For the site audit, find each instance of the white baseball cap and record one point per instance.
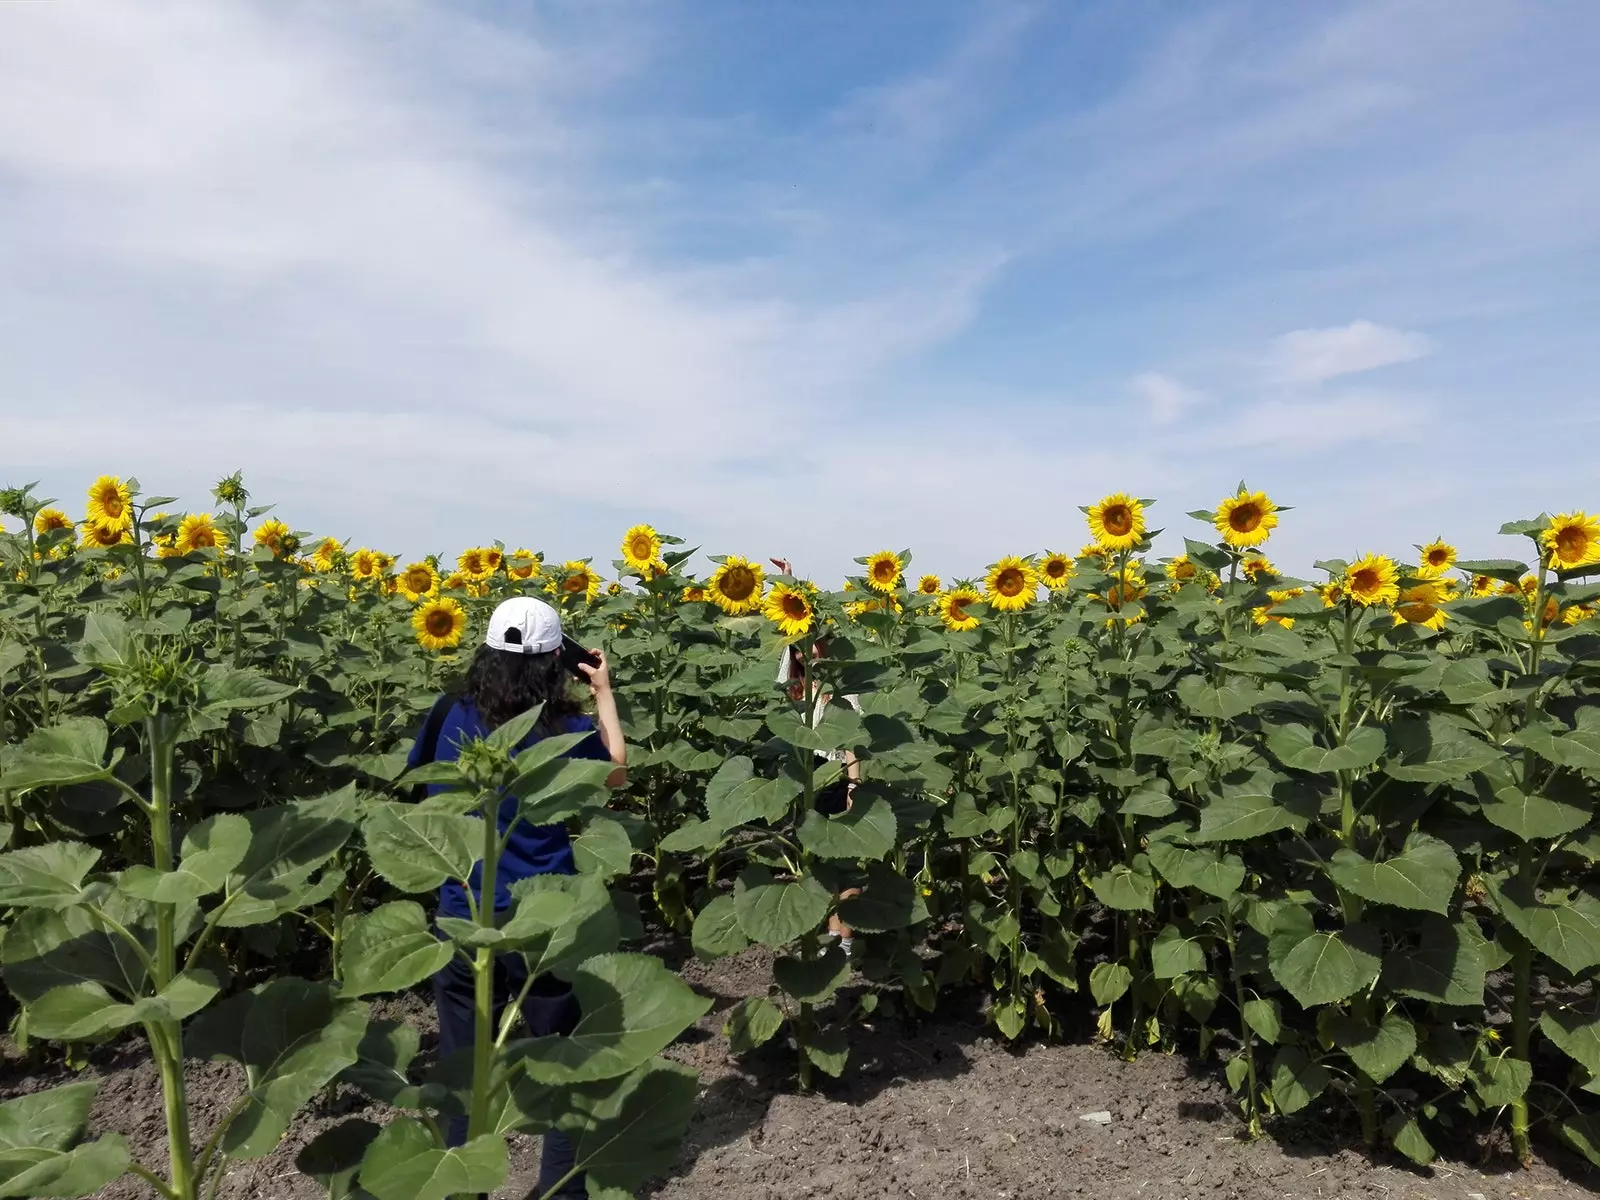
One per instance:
(524, 625)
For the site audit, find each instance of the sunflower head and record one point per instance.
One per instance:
(1331, 592)
(524, 564)
(1245, 518)
(48, 519)
(1372, 581)
(366, 565)
(417, 581)
(790, 608)
(929, 585)
(1117, 521)
(275, 536)
(110, 503)
(328, 554)
(1438, 556)
(1574, 613)
(953, 606)
(1056, 570)
(1181, 569)
(1420, 604)
(1263, 613)
(884, 570)
(474, 563)
(640, 547)
(1011, 584)
(493, 558)
(1483, 585)
(94, 535)
(736, 586)
(439, 623)
(694, 594)
(578, 582)
(614, 588)
(198, 531)
(1572, 540)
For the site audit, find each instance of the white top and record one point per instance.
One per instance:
(784, 676)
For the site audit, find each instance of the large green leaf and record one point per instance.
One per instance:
(736, 796)
(1576, 1034)
(1109, 982)
(1445, 965)
(1223, 703)
(39, 1154)
(1296, 1080)
(1576, 749)
(1378, 1049)
(1569, 932)
(403, 1162)
(1432, 750)
(775, 913)
(752, 1022)
(813, 980)
(210, 852)
(1192, 867)
(1263, 805)
(887, 901)
(48, 876)
(1172, 954)
(1563, 804)
(839, 729)
(632, 1007)
(381, 1069)
(224, 689)
(1422, 876)
(625, 1136)
(389, 949)
(603, 848)
(73, 751)
(46, 949)
(1295, 746)
(866, 831)
(716, 930)
(292, 1038)
(417, 850)
(1126, 887)
(1502, 1080)
(288, 843)
(1325, 968)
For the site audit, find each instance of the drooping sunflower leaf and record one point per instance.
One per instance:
(1422, 876)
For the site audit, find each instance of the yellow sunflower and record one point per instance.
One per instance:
(640, 546)
(1331, 592)
(1438, 556)
(1246, 518)
(110, 504)
(953, 607)
(1552, 614)
(1574, 613)
(614, 588)
(455, 582)
(656, 568)
(474, 563)
(1483, 585)
(1128, 587)
(1420, 604)
(789, 607)
(197, 531)
(1572, 540)
(1262, 613)
(884, 570)
(47, 519)
(736, 585)
(439, 623)
(929, 585)
(419, 579)
(1011, 584)
(524, 564)
(1095, 552)
(1257, 565)
(1181, 569)
(694, 594)
(1056, 570)
(1373, 580)
(1117, 521)
(493, 558)
(366, 565)
(327, 554)
(275, 535)
(94, 534)
(578, 581)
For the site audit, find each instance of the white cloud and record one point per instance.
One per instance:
(1313, 356)
(1165, 398)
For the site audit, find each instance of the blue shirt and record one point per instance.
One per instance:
(531, 849)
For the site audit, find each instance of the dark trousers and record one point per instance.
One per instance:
(550, 1007)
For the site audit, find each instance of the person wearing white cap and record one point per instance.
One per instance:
(519, 666)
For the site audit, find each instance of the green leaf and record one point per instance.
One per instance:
(226, 689)
(866, 831)
(603, 848)
(1445, 965)
(1575, 1034)
(107, 642)
(1569, 933)
(815, 980)
(1405, 1135)
(287, 844)
(828, 1050)
(1575, 749)
(334, 1155)
(631, 1134)
(1262, 806)
(404, 1163)
(1265, 1017)
(39, 1154)
(293, 1038)
(1109, 982)
(632, 1007)
(1172, 954)
(887, 901)
(773, 913)
(752, 1022)
(46, 949)
(716, 930)
(210, 852)
(417, 850)
(1296, 1080)
(1325, 968)
(78, 1012)
(1379, 1050)
(1431, 750)
(1295, 746)
(383, 1059)
(1127, 888)
(72, 751)
(1220, 703)
(692, 835)
(1561, 806)
(1581, 1131)
(1502, 1080)
(48, 876)
(736, 796)
(1204, 870)
(1422, 876)
(1148, 802)
(839, 729)
(389, 949)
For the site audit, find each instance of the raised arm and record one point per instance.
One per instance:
(606, 718)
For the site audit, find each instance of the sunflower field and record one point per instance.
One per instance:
(1334, 834)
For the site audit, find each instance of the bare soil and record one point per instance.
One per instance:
(937, 1108)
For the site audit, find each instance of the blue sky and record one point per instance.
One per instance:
(808, 279)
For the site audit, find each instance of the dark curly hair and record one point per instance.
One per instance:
(501, 684)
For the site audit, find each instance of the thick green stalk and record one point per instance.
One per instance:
(166, 1037)
(1252, 1108)
(483, 977)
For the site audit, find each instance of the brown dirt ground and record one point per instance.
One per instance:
(936, 1109)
